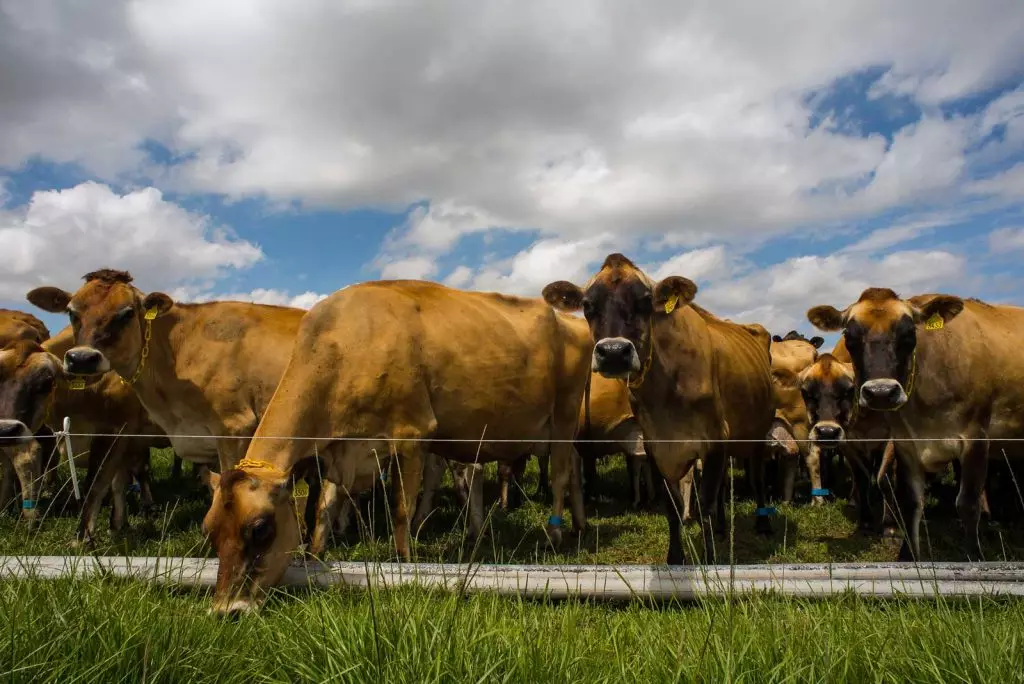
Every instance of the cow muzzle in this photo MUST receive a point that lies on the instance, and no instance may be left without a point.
(615, 357)
(14, 432)
(85, 361)
(884, 394)
(827, 434)
(234, 609)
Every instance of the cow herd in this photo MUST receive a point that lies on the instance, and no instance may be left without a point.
(397, 380)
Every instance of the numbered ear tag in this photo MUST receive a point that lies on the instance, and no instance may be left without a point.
(76, 384)
(150, 314)
(670, 304)
(934, 323)
(301, 488)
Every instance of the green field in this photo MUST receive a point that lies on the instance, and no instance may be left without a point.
(112, 630)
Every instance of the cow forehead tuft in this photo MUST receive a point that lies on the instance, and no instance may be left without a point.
(878, 295)
(109, 276)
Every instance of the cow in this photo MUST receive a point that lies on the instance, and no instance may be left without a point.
(701, 386)
(18, 326)
(205, 372)
(35, 393)
(946, 374)
(400, 368)
(790, 356)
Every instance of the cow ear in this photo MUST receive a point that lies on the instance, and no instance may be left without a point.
(210, 479)
(947, 307)
(673, 292)
(564, 296)
(825, 317)
(817, 341)
(157, 301)
(776, 338)
(51, 299)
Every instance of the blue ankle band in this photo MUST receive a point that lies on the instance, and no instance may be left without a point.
(28, 504)
(555, 521)
(821, 492)
(763, 512)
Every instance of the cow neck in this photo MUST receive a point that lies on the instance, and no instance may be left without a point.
(157, 351)
(638, 380)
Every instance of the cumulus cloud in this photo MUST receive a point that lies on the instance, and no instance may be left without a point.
(696, 264)
(305, 300)
(60, 235)
(1008, 239)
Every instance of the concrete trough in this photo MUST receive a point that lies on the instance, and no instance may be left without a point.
(658, 583)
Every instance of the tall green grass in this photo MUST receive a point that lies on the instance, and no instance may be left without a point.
(68, 631)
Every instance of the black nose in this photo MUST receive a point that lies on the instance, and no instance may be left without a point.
(614, 354)
(882, 392)
(827, 433)
(11, 428)
(82, 361)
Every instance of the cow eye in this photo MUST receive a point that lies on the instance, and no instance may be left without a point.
(125, 315)
(73, 317)
(261, 532)
(645, 305)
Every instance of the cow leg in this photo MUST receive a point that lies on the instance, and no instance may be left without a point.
(972, 487)
(686, 493)
(672, 509)
(27, 464)
(176, 467)
(711, 482)
(589, 475)
(326, 510)
(407, 488)
(788, 465)
(543, 482)
(910, 486)
(762, 523)
(433, 471)
(813, 459)
(118, 507)
(7, 489)
(107, 457)
(475, 478)
(505, 484)
(646, 470)
(565, 472)
(633, 474)
(862, 486)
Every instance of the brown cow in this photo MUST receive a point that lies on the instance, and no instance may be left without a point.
(790, 356)
(403, 368)
(946, 374)
(205, 372)
(697, 382)
(35, 392)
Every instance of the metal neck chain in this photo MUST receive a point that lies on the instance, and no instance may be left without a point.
(150, 315)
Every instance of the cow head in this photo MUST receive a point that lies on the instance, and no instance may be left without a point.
(880, 331)
(28, 375)
(18, 325)
(620, 304)
(829, 392)
(794, 336)
(108, 317)
(252, 525)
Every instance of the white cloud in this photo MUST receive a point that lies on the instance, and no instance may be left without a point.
(60, 235)
(1008, 184)
(258, 296)
(696, 265)
(415, 268)
(672, 120)
(1008, 239)
(460, 277)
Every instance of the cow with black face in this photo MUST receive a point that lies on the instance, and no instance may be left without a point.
(946, 374)
(696, 381)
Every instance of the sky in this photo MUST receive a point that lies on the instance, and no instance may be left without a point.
(781, 155)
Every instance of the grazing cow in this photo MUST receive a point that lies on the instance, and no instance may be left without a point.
(35, 392)
(947, 375)
(205, 372)
(18, 326)
(697, 382)
(790, 356)
(401, 368)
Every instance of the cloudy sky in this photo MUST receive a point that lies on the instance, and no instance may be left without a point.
(780, 154)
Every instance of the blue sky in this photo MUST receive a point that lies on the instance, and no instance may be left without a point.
(293, 155)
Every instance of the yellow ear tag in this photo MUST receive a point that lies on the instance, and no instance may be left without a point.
(150, 314)
(301, 488)
(670, 303)
(934, 323)
(76, 384)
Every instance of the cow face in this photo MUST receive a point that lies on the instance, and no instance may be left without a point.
(107, 316)
(620, 304)
(829, 390)
(880, 332)
(28, 374)
(252, 525)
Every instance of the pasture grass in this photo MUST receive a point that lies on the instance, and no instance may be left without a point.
(119, 630)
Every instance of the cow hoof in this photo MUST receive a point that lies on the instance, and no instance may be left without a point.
(818, 501)
(555, 535)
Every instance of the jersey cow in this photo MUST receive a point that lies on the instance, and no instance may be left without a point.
(947, 376)
(697, 382)
(790, 430)
(35, 392)
(401, 368)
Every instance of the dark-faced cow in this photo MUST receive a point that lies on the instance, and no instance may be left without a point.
(698, 382)
(947, 375)
(401, 368)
